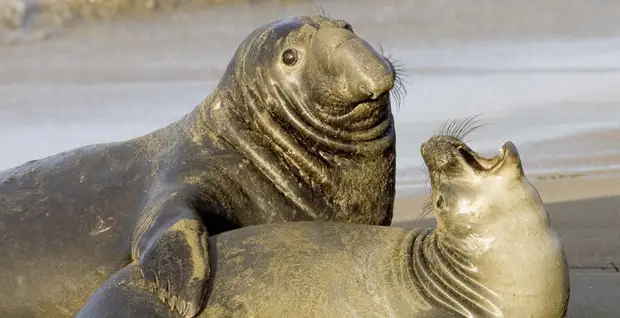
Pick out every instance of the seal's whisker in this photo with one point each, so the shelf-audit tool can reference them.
(442, 127)
(424, 170)
(399, 91)
(469, 131)
(427, 208)
(427, 178)
(446, 127)
(461, 128)
(470, 125)
(319, 9)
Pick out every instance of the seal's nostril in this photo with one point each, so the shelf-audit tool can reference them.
(369, 92)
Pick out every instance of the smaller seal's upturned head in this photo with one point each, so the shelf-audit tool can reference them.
(471, 192)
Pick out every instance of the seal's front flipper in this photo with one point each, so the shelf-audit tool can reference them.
(125, 294)
(177, 261)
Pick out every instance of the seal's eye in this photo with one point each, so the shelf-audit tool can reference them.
(289, 57)
(439, 202)
(347, 26)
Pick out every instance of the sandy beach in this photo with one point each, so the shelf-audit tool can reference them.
(546, 78)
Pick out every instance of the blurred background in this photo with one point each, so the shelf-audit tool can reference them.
(75, 72)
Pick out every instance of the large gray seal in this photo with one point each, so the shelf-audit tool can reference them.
(299, 128)
(493, 254)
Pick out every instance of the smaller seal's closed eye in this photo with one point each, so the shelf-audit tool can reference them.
(439, 202)
(289, 57)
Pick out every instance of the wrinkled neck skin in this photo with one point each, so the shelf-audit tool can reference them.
(503, 269)
(339, 167)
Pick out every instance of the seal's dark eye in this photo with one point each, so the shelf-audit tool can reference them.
(289, 57)
(439, 202)
(347, 26)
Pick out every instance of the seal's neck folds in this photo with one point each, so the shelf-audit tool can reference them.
(333, 171)
(498, 274)
(357, 187)
(447, 278)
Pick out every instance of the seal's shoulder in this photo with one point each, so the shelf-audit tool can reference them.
(61, 165)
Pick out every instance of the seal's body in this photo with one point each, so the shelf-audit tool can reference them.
(299, 128)
(297, 269)
(493, 254)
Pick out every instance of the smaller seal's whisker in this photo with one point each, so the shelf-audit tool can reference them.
(470, 125)
(427, 208)
(446, 127)
(425, 172)
(461, 128)
(476, 128)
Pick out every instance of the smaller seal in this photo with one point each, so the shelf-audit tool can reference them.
(493, 254)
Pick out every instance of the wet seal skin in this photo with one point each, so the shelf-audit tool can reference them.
(298, 129)
(493, 254)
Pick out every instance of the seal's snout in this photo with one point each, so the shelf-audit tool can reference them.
(361, 70)
(448, 152)
(368, 73)
(437, 152)
(372, 88)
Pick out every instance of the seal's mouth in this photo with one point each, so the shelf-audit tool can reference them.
(449, 154)
(354, 107)
(479, 163)
(359, 116)
(374, 102)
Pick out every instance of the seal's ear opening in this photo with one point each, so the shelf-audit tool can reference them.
(510, 164)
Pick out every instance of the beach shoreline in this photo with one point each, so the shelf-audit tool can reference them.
(432, 22)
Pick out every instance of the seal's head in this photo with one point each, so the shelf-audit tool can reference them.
(472, 193)
(319, 79)
(307, 101)
(492, 223)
